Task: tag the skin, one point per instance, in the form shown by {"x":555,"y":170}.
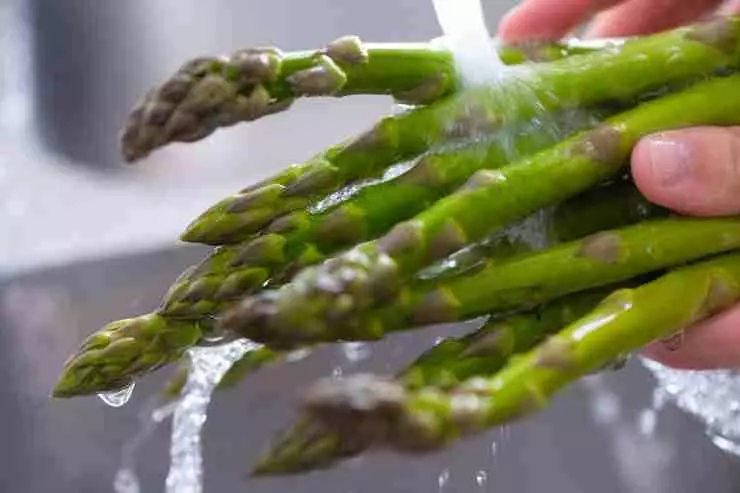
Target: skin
{"x":694,"y":171}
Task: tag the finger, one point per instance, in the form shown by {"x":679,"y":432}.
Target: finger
{"x":548,"y":19}
{"x":712,"y":344}
{"x":730,"y":7}
{"x":639,"y":17}
{"x":695,"y":171}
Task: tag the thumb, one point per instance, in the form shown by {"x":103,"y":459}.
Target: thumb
{"x":695,"y":171}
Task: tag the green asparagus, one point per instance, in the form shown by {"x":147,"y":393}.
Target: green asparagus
{"x":98,"y":367}
{"x":303,"y":238}
{"x":373,"y":273}
{"x":109,"y":359}
{"x":306,"y":446}
{"x":211,"y":92}
{"x":640,"y":65}
{"x":518,"y":281}
{"x":380,"y":412}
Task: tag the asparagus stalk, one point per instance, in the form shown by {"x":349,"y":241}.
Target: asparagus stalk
{"x":374,"y":411}
{"x":373,"y":273}
{"x":98,"y":367}
{"x":639,"y":65}
{"x":303,"y":238}
{"x":515,"y":282}
{"x":305,"y":446}
{"x":211,"y":92}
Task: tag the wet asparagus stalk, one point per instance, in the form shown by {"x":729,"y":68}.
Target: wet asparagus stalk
{"x":518,"y":281}
{"x":308,"y":446}
{"x":609,"y":206}
{"x":374,"y":273}
{"x":380,"y":412}
{"x":211,"y":92}
{"x":303,"y":237}
{"x":640,"y":65}
{"x":100,"y":366}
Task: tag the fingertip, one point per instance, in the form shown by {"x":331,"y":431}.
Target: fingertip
{"x":710,"y":345}
{"x":541,"y":20}
{"x":694,"y":171}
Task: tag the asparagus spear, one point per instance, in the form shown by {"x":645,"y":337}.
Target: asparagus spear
{"x":109,"y":359}
{"x":375,"y":411}
{"x":330,"y":298}
{"x":512,"y":283}
{"x":306,"y":446}
{"x":639,"y":65}
{"x":98,"y":367}
{"x":211,"y":92}
{"x":302,"y":237}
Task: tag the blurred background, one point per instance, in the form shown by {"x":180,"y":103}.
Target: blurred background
{"x":85,"y":239}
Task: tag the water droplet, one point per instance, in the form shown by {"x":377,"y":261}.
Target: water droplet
{"x":443,"y":479}
{"x":118,"y":398}
{"x":647,"y":422}
{"x":337,"y":372}
{"x":126,"y":481}
{"x":481,"y":478}
{"x":356,"y":351}
{"x":297,"y":355}
{"x":605,"y":404}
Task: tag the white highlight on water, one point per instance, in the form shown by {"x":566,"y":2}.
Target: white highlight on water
{"x":117,"y":398}
{"x":711,"y":396}
{"x":443,"y":479}
{"x":207,"y":367}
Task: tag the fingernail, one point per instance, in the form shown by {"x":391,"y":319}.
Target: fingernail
{"x":670,"y":161}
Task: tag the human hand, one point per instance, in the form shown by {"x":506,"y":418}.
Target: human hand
{"x":694,"y":171}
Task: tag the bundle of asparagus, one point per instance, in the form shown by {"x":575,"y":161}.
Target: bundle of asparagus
{"x":338,"y":249}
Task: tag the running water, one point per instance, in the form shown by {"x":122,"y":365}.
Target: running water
{"x":153,"y":414}
{"x":207,"y":367}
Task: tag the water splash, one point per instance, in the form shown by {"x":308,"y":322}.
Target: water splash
{"x":207,"y":367}
{"x":711,"y":396}
{"x":118,"y":398}
{"x":153,"y":414}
